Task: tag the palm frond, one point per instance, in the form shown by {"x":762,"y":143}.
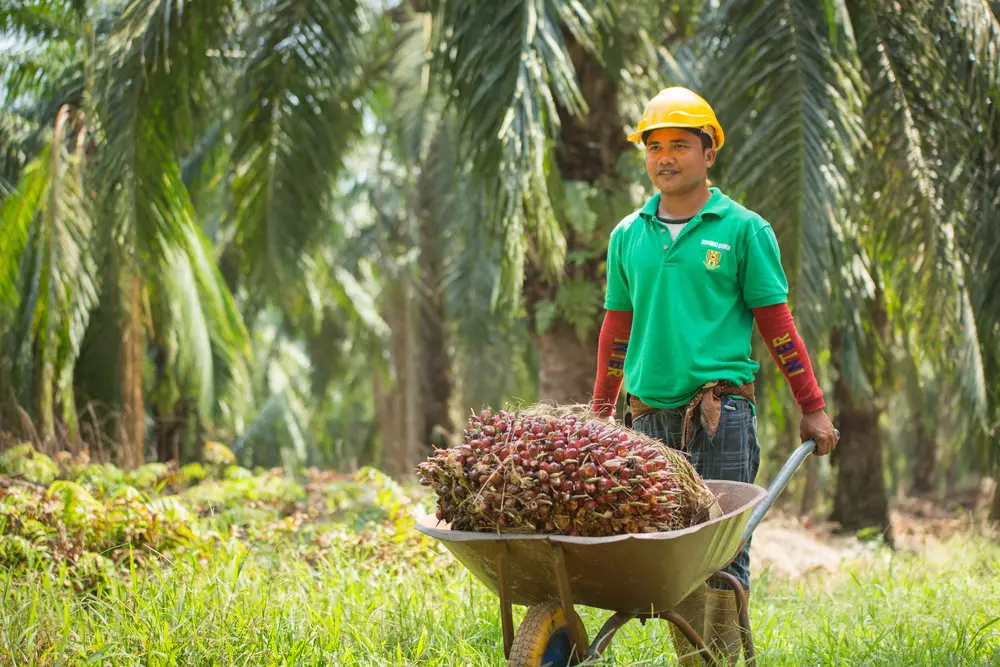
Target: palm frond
{"x":48,"y":283}
{"x":297,"y":112}
{"x":906,"y":212}
{"x":149,"y":112}
{"x":158,"y":67}
{"x":508,"y":71}
{"x":784,"y":77}
{"x":39,"y":19}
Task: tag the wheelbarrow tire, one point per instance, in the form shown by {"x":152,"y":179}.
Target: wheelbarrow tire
{"x":543,"y":638}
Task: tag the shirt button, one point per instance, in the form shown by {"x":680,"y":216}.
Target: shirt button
{"x":662,"y":230}
{"x":665,"y":247}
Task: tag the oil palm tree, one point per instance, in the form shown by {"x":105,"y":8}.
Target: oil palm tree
{"x":840,"y":138}
{"x":114,"y":114}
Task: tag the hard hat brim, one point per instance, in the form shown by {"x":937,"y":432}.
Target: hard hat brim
{"x":636,"y":137}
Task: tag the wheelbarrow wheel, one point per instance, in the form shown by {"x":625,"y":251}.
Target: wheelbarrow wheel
{"x":543,"y":638}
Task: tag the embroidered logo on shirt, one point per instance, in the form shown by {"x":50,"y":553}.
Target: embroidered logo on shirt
{"x":716,"y":244}
{"x":712,"y":258}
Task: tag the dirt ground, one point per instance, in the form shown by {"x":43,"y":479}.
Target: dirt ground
{"x":790,"y":545}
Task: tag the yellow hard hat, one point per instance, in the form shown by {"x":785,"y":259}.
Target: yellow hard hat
{"x":680,"y":107}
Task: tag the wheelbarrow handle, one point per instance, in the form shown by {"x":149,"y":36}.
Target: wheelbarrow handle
{"x":778,"y":485}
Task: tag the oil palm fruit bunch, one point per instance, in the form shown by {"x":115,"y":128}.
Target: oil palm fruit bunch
{"x":556,"y":470}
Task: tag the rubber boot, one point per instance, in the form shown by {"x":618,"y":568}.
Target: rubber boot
{"x":694,"y":609}
{"x":725,"y":636}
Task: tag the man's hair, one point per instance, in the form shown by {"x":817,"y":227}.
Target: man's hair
{"x":706,"y":141}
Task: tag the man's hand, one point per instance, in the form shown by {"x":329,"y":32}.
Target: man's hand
{"x":817,"y":426}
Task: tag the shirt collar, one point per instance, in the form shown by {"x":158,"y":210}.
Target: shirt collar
{"x":716,"y":205}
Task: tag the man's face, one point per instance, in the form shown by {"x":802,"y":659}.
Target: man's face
{"x":676,"y":161}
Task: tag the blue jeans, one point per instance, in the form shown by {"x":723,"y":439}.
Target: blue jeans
{"x":732,"y":455}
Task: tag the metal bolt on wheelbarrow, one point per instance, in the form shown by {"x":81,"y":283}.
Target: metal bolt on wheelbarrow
{"x":636,"y":576}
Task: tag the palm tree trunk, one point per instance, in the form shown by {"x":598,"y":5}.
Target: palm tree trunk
{"x":588,"y":151}
{"x":926,"y":459}
{"x":436,"y":367}
{"x":171,"y":426}
{"x":133,"y":413}
{"x":995,"y":507}
{"x":860,"y":499}
{"x":397,"y":403}
{"x":566,"y":365}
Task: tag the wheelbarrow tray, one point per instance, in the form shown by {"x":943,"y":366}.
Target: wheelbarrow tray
{"x":643,"y":573}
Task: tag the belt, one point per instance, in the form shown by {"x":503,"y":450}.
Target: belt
{"x":708,"y":399}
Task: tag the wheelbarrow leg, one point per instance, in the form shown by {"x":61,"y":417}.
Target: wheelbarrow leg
{"x":566,"y":598}
{"x":750,"y":658}
{"x":607,"y":633}
{"x":506,"y":609}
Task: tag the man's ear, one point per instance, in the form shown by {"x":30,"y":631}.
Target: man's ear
{"x":710,"y":157}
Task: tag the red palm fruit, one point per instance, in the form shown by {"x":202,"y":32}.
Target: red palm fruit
{"x":559,"y":454}
{"x":537,"y":429}
{"x":591,"y":506}
{"x":590,"y":489}
{"x":543,"y":474}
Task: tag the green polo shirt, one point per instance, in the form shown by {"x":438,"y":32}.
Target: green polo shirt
{"x":691,"y":298}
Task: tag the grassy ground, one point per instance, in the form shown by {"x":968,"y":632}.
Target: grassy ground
{"x":362,"y":605}
{"x":256,"y":569}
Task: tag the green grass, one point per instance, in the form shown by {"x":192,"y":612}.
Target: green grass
{"x":406,"y":604}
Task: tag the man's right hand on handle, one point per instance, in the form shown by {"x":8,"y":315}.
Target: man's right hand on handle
{"x":817,"y":426}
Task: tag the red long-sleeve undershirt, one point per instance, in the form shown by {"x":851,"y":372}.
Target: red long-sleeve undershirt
{"x":775,"y":324}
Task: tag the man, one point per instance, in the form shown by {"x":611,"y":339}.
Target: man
{"x":688,"y":275}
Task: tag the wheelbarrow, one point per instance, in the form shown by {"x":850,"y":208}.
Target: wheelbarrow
{"x":637,"y":576}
